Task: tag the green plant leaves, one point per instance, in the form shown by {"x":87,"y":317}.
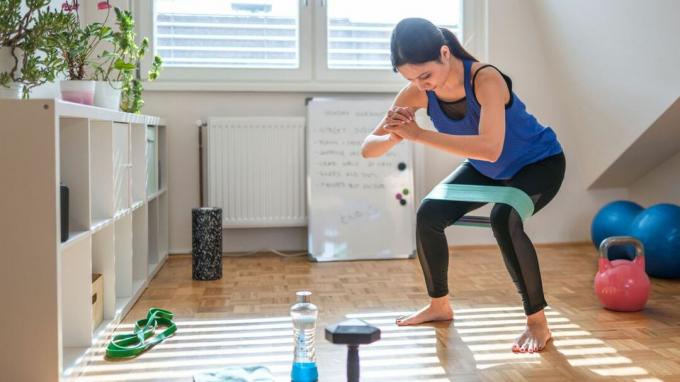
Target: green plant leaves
{"x":27,"y":33}
{"x":121,"y":65}
{"x":46,"y":42}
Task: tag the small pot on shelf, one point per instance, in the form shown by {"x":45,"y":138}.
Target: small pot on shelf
{"x":107,"y":94}
{"x":78,"y":91}
{"x":14,"y":91}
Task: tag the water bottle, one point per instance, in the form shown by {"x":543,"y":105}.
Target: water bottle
{"x":304,"y":315}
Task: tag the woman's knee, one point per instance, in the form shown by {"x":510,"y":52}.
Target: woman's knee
{"x":501,"y":218}
{"x":432,"y":215}
{"x":426,"y":214}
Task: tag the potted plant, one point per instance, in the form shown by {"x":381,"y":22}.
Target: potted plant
{"x":116,"y":72}
{"x":110,"y":66}
{"x":131,"y":98}
{"x":27,"y":59}
{"x":125,"y":61}
{"x":77,"y":45}
{"x":106,"y":67}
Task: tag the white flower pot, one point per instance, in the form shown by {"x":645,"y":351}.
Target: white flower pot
{"x":15,"y":91}
{"x":6,"y":60}
{"x":77,"y":91}
{"x":107,"y":94}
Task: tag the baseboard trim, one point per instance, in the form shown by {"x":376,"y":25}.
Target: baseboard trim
{"x":180,"y":251}
{"x":187,"y":252}
{"x":537,"y":245}
{"x":566,"y":244}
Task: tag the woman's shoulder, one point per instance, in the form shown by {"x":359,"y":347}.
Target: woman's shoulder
{"x":411,"y":96}
{"x":487,"y":70}
{"x":490,"y":77}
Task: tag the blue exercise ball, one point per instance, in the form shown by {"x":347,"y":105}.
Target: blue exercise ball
{"x":658,"y":228}
{"x":614,"y":219}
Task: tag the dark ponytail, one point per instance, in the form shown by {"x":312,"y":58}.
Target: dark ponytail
{"x":416,"y":41}
{"x":455,"y":46}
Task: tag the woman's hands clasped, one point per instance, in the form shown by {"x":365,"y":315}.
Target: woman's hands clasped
{"x":401,"y":124}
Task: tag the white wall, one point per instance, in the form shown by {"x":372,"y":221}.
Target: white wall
{"x":659,"y":186}
{"x":617,"y":62}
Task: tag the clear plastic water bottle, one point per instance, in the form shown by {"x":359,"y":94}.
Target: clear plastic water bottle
{"x":304,"y":315}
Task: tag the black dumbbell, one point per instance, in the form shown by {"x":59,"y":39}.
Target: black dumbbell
{"x":352,"y":332}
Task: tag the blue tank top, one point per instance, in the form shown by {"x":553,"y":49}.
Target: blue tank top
{"x":526,"y":140}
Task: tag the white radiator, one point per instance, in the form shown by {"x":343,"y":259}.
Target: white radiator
{"x":255,"y":170}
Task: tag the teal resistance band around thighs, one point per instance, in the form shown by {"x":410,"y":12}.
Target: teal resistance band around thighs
{"x":144,"y":335}
{"x":511,"y":196}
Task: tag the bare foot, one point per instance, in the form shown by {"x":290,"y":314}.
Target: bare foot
{"x":535,"y":336}
{"x":438,"y":310}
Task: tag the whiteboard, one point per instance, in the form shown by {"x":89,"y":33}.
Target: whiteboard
{"x":354,"y":204}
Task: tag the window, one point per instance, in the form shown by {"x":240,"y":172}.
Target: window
{"x":227,"y":34}
{"x":290,"y":44}
{"x":361,"y":39}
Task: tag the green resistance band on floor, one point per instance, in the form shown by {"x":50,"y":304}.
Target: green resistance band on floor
{"x":511,"y":196}
{"x":133,"y":344}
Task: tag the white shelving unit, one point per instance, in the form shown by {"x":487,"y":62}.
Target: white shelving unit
{"x":115,"y":166}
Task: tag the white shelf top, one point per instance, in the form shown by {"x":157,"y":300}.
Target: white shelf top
{"x":74,"y":237}
{"x":121,"y":213}
{"x":76,"y":110}
{"x":99,"y":224}
{"x":70,"y":109}
{"x":137,"y":204}
{"x":157,"y":194}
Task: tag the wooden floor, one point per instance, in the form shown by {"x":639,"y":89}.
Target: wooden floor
{"x":243,"y":320}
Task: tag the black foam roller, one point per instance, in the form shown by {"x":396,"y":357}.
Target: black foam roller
{"x":206,"y":254}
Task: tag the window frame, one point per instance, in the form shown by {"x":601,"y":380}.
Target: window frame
{"x":312,"y":74}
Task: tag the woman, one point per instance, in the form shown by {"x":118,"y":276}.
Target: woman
{"x":477,"y":116}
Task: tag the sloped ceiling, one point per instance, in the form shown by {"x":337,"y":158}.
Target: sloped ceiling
{"x":659,"y":142}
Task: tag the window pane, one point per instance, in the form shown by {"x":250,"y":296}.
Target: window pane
{"x":359,"y":30}
{"x":227,"y":34}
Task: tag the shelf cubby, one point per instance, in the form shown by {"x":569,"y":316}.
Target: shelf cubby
{"x":153,"y":234}
{"x":76,"y":300}
{"x":163,"y":225}
{"x":121,"y":166}
{"x":74,"y":159}
{"x":101,"y":171}
{"x":123,"y":258}
{"x":138,"y":157}
{"x":162,"y":148}
{"x":140,"y":244}
{"x":103,"y":262}
{"x":151,"y":160}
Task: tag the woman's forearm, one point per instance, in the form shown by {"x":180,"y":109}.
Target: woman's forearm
{"x":469,"y":146}
{"x":377,"y":145}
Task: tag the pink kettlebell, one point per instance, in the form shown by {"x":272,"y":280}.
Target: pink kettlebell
{"x":622,"y":285}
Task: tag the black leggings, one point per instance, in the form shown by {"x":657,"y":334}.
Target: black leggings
{"x":540,"y":180}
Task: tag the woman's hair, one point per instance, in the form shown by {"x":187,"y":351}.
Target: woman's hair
{"x":416,"y":41}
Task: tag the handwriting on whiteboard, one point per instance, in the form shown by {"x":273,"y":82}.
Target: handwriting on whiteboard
{"x":368,"y":213}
